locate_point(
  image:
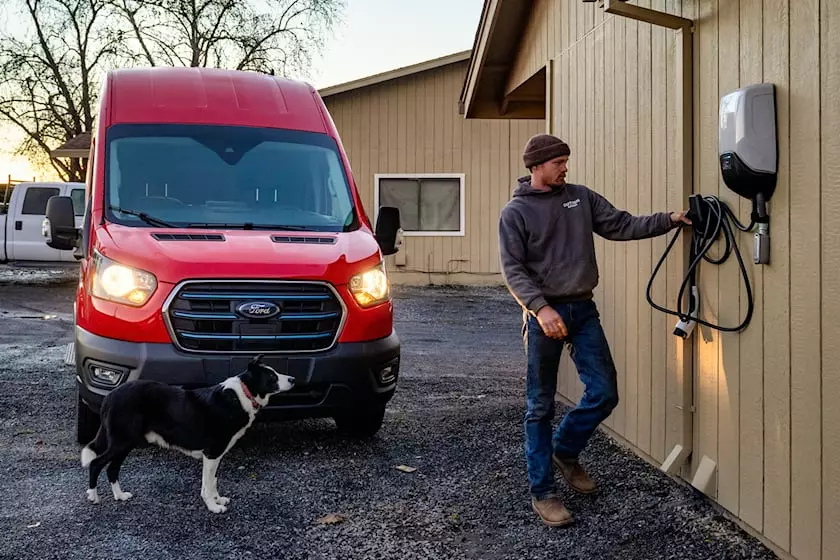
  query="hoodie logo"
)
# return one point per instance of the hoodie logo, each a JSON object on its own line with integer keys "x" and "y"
{"x": 572, "y": 203}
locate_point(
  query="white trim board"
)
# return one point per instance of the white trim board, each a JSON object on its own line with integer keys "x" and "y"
{"x": 463, "y": 218}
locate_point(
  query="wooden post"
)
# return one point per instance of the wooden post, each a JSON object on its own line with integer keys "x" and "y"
{"x": 680, "y": 393}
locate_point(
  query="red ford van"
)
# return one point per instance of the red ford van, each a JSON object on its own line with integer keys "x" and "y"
{"x": 222, "y": 221}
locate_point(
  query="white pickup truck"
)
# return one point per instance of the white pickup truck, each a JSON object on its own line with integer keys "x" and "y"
{"x": 21, "y": 239}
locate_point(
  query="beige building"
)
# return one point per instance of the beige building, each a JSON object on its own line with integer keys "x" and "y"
{"x": 409, "y": 147}
{"x": 749, "y": 418}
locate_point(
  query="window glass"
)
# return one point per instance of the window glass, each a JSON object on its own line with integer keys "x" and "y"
{"x": 428, "y": 204}
{"x": 35, "y": 200}
{"x": 78, "y": 196}
{"x": 208, "y": 175}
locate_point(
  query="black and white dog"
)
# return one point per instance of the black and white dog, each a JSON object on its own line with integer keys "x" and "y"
{"x": 202, "y": 423}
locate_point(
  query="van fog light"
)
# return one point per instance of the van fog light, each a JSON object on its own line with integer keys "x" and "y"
{"x": 105, "y": 376}
{"x": 387, "y": 373}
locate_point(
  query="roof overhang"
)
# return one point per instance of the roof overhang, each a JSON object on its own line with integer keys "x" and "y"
{"x": 395, "y": 74}
{"x": 70, "y": 153}
{"x": 494, "y": 51}
{"x": 76, "y": 147}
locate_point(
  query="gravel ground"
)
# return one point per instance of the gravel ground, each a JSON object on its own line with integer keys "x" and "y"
{"x": 456, "y": 418}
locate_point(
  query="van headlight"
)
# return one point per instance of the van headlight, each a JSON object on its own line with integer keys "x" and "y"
{"x": 371, "y": 287}
{"x": 120, "y": 283}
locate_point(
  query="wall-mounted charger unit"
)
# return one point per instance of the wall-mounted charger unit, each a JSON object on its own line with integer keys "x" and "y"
{"x": 748, "y": 150}
{"x": 749, "y": 153}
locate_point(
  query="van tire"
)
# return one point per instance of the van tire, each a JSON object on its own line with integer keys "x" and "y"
{"x": 361, "y": 423}
{"x": 87, "y": 423}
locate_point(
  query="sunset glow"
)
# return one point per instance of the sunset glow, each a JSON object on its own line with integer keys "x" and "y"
{"x": 19, "y": 167}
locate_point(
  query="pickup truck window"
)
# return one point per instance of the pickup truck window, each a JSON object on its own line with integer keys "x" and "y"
{"x": 35, "y": 200}
{"x": 78, "y": 196}
{"x": 205, "y": 175}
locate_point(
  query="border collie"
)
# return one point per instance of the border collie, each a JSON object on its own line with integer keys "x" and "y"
{"x": 202, "y": 423}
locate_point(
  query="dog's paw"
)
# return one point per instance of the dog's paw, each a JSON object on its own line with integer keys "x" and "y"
{"x": 123, "y": 496}
{"x": 93, "y": 496}
{"x": 214, "y": 507}
{"x": 221, "y": 500}
{"x": 119, "y": 495}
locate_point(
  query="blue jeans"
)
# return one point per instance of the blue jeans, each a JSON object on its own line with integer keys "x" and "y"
{"x": 591, "y": 356}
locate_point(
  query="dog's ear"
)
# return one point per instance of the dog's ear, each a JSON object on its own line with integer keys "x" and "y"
{"x": 256, "y": 360}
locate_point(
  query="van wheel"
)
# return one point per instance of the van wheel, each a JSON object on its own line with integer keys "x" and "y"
{"x": 361, "y": 422}
{"x": 87, "y": 423}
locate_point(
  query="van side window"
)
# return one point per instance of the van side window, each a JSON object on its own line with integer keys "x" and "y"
{"x": 78, "y": 196}
{"x": 35, "y": 200}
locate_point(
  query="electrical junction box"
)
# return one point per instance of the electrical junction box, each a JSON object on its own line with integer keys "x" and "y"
{"x": 748, "y": 144}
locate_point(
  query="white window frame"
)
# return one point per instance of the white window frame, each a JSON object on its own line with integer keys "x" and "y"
{"x": 461, "y": 179}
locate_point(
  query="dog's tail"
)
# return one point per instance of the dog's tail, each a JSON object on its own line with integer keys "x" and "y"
{"x": 94, "y": 448}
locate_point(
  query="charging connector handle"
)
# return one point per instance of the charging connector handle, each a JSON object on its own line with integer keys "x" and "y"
{"x": 683, "y": 329}
{"x": 710, "y": 218}
{"x": 761, "y": 246}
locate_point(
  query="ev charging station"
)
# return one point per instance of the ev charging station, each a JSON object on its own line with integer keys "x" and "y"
{"x": 748, "y": 154}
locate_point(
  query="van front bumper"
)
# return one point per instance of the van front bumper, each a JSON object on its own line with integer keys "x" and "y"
{"x": 346, "y": 377}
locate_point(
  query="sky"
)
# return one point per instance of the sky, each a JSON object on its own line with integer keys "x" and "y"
{"x": 375, "y": 36}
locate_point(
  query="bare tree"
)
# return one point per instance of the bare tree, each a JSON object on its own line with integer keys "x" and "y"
{"x": 50, "y": 73}
{"x": 262, "y": 35}
{"x": 51, "y": 70}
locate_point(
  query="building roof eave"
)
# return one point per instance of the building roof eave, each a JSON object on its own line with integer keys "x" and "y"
{"x": 395, "y": 74}
{"x": 497, "y": 41}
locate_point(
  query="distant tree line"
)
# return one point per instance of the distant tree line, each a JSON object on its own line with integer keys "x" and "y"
{"x": 52, "y": 65}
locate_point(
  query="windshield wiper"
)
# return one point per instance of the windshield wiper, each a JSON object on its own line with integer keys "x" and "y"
{"x": 151, "y": 220}
{"x": 247, "y": 226}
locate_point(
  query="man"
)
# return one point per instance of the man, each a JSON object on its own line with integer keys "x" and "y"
{"x": 549, "y": 266}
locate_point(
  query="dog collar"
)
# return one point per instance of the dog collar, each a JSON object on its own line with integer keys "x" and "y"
{"x": 249, "y": 396}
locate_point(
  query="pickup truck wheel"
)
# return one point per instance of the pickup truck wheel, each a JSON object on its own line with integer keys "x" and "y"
{"x": 87, "y": 423}
{"x": 361, "y": 422}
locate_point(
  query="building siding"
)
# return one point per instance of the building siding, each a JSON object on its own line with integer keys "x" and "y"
{"x": 412, "y": 125}
{"x": 758, "y": 396}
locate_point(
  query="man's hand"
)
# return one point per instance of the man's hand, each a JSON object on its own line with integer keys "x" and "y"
{"x": 551, "y": 322}
{"x": 677, "y": 217}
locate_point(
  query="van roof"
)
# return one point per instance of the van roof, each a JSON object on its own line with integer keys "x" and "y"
{"x": 211, "y": 96}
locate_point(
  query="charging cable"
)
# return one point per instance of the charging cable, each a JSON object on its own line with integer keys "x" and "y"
{"x": 710, "y": 218}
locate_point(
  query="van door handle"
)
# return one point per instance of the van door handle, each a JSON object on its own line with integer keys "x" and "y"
{"x": 18, "y": 225}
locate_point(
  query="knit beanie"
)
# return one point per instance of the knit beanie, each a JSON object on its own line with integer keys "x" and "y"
{"x": 543, "y": 147}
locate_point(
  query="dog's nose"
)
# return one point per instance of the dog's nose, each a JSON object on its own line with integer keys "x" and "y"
{"x": 292, "y": 380}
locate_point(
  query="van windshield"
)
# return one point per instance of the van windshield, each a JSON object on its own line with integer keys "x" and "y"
{"x": 225, "y": 176}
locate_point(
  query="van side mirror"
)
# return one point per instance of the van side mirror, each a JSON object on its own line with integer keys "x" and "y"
{"x": 59, "y": 226}
{"x": 388, "y": 230}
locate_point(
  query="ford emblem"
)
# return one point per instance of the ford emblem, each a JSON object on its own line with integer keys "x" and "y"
{"x": 258, "y": 310}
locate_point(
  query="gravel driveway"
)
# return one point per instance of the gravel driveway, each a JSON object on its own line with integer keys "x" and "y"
{"x": 456, "y": 419}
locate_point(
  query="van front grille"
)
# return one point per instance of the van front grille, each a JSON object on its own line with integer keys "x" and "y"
{"x": 213, "y": 316}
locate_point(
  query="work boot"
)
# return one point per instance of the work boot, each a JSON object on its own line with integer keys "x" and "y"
{"x": 552, "y": 511}
{"x": 575, "y": 475}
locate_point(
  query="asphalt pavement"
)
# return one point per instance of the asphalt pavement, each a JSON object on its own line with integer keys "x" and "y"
{"x": 300, "y": 491}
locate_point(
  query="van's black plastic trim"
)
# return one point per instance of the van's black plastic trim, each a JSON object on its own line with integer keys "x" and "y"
{"x": 343, "y": 378}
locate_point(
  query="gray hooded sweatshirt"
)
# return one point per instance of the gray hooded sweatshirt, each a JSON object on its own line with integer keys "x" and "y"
{"x": 546, "y": 243}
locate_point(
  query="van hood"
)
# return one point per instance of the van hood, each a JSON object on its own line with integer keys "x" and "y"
{"x": 173, "y": 255}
